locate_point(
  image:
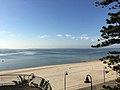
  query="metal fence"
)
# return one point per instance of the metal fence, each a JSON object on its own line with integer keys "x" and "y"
{"x": 70, "y": 79}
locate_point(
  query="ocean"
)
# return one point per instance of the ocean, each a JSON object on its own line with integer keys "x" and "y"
{"x": 11, "y": 59}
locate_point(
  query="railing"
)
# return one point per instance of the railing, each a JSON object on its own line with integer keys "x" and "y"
{"x": 79, "y": 77}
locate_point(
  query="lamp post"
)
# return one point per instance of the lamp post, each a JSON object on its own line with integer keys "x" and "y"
{"x": 104, "y": 72}
{"x": 65, "y": 81}
{"x": 89, "y": 81}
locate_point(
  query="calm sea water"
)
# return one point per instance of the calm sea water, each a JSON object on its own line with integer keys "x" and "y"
{"x": 11, "y": 59}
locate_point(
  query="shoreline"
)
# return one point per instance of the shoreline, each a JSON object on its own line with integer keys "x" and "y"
{"x": 76, "y": 74}
{"x": 43, "y": 67}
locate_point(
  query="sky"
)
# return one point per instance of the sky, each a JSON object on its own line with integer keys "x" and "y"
{"x": 50, "y": 23}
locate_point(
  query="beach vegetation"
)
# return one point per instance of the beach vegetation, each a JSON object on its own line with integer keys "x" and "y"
{"x": 110, "y": 35}
{"x": 32, "y": 81}
{"x": 23, "y": 80}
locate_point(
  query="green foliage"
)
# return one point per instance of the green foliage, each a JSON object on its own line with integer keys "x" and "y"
{"x": 110, "y": 35}
{"x": 23, "y": 80}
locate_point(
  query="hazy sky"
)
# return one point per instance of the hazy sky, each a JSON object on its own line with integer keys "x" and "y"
{"x": 50, "y": 23}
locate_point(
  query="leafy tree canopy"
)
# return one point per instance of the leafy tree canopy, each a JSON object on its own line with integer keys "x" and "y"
{"x": 110, "y": 35}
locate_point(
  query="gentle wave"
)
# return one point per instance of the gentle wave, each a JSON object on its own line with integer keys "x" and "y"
{"x": 24, "y": 58}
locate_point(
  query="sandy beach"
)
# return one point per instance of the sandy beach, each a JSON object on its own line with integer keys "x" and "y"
{"x": 76, "y": 74}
